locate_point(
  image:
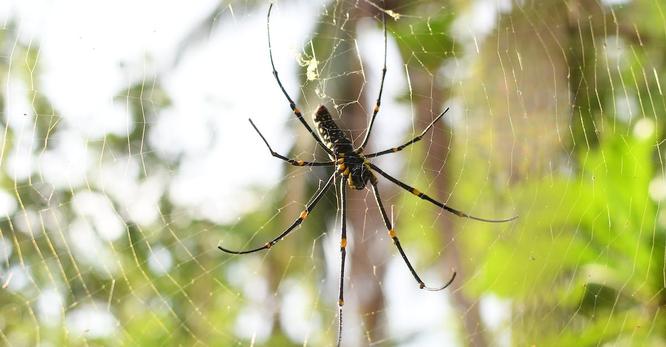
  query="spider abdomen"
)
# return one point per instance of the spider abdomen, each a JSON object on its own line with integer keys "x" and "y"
{"x": 334, "y": 138}
{"x": 350, "y": 164}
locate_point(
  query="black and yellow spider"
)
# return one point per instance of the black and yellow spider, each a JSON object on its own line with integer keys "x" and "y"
{"x": 354, "y": 168}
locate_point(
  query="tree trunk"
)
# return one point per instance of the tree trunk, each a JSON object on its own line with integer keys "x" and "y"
{"x": 524, "y": 89}
{"x": 368, "y": 253}
{"x": 426, "y": 109}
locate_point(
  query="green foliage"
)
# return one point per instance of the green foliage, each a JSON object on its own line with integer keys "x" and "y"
{"x": 587, "y": 258}
{"x": 583, "y": 266}
{"x": 427, "y": 41}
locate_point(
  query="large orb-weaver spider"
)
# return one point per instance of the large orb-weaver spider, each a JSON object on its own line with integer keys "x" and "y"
{"x": 353, "y": 167}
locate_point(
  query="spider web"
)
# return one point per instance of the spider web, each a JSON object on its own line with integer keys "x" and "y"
{"x": 127, "y": 158}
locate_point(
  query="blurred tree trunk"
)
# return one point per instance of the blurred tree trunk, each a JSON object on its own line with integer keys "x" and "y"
{"x": 368, "y": 254}
{"x": 427, "y": 108}
{"x": 346, "y": 100}
{"x": 525, "y": 89}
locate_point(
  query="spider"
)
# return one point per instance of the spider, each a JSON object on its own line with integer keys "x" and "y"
{"x": 354, "y": 170}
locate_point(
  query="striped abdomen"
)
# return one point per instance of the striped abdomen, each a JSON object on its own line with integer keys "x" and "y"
{"x": 350, "y": 164}
{"x": 331, "y": 134}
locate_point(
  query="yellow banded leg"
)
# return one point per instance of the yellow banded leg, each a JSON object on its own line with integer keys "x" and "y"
{"x": 343, "y": 252}
{"x": 310, "y": 206}
{"x": 282, "y": 157}
{"x": 396, "y": 241}
{"x": 433, "y": 201}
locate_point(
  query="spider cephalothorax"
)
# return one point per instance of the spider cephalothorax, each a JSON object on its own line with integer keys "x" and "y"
{"x": 354, "y": 168}
{"x": 350, "y": 163}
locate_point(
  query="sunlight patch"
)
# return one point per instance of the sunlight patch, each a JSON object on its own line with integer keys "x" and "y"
{"x": 657, "y": 189}
{"x": 50, "y": 306}
{"x": 7, "y": 203}
{"x": 160, "y": 260}
{"x": 644, "y": 128}
{"x": 92, "y": 322}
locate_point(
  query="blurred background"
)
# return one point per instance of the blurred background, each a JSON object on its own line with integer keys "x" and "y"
{"x": 126, "y": 158}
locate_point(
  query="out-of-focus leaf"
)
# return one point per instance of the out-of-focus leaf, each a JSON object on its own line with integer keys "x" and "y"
{"x": 426, "y": 41}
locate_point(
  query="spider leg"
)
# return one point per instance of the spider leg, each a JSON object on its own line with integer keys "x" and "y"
{"x": 343, "y": 253}
{"x": 379, "y": 97}
{"x": 435, "y": 202}
{"x": 394, "y": 236}
{"x": 310, "y": 206}
{"x": 292, "y": 104}
{"x": 412, "y": 141}
{"x": 289, "y": 160}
